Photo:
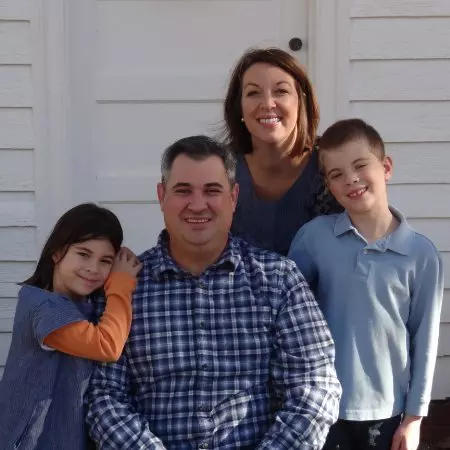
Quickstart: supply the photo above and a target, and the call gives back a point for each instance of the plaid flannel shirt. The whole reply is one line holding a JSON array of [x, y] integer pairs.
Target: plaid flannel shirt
[[239, 357]]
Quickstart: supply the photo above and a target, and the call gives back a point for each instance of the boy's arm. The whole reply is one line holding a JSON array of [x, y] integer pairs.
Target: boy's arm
[[104, 341], [299, 253], [423, 327]]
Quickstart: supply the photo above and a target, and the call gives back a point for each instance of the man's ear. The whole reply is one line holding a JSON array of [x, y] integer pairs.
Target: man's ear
[[161, 190]]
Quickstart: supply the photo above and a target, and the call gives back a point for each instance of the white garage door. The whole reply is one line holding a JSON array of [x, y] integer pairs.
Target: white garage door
[[145, 73]]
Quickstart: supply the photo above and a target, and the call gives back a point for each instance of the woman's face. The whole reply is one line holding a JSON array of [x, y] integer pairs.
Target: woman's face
[[269, 104]]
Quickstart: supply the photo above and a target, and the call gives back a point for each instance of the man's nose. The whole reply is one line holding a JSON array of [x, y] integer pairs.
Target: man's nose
[[198, 202]]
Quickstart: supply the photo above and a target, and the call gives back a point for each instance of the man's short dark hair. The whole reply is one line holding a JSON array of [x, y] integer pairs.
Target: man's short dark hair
[[198, 148]]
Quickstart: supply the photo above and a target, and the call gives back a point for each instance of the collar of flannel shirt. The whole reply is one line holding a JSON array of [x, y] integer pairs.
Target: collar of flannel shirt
[[229, 259]]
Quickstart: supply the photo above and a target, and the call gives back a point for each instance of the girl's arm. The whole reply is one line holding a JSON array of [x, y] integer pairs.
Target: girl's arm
[[104, 341]]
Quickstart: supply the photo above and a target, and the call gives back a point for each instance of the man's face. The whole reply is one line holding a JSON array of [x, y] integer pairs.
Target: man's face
[[198, 203]]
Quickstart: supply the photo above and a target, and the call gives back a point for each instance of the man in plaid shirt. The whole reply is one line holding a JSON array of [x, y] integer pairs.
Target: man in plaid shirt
[[228, 348]]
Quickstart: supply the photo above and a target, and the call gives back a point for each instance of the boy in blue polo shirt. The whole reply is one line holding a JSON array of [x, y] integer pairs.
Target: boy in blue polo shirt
[[380, 286]]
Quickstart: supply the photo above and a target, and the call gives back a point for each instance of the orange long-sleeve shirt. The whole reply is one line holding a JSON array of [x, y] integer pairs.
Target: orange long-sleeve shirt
[[104, 341]]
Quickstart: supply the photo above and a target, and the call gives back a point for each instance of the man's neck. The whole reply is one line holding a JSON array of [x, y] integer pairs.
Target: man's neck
[[374, 224], [195, 259]]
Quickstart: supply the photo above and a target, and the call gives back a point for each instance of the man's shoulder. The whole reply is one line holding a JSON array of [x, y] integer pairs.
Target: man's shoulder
[[257, 258]]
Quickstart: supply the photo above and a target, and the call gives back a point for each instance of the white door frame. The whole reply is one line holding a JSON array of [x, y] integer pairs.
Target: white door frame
[[63, 121]]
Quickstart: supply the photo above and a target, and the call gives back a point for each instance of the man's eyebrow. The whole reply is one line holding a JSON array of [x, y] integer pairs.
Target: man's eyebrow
[[181, 184], [214, 184]]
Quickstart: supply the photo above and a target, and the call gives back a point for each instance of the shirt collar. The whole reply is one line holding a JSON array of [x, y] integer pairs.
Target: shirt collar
[[228, 261], [399, 241]]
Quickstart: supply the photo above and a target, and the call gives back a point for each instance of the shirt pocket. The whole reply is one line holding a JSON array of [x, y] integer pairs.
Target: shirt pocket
[[33, 428]]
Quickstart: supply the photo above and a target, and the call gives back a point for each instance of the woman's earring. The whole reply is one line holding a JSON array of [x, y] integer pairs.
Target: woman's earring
[[242, 119]]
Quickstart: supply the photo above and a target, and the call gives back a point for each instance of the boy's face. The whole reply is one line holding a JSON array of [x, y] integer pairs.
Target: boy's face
[[356, 176]]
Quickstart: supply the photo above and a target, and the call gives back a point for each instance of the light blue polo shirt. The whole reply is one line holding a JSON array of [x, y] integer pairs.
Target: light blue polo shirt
[[382, 302]]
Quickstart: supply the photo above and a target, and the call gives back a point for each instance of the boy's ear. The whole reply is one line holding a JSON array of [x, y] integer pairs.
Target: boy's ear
[[388, 167]]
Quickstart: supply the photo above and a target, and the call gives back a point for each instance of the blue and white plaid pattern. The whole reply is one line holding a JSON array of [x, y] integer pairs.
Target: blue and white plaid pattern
[[237, 358]]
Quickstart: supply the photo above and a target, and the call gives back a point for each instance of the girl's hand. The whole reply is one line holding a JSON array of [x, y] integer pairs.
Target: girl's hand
[[126, 261]]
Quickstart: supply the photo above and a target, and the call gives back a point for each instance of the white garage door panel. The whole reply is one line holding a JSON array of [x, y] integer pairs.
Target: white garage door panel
[[131, 137], [141, 224], [160, 37]]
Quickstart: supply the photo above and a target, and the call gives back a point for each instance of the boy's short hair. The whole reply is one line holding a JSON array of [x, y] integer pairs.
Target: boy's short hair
[[344, 131]]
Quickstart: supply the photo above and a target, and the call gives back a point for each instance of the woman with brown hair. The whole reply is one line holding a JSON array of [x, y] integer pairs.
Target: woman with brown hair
[[271, 118]]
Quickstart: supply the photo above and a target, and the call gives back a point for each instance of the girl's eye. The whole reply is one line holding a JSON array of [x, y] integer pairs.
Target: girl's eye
[[360, 166], [336, 175], [83, 254], [108, 262]]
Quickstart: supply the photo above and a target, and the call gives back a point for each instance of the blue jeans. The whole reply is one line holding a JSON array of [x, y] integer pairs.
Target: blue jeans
[[362, 435]]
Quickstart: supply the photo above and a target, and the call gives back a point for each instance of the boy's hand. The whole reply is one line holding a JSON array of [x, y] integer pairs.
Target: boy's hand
[[407, 436], [126, 261]]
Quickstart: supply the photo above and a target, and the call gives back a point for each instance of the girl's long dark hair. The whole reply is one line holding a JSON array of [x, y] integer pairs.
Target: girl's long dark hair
[[79, 224]]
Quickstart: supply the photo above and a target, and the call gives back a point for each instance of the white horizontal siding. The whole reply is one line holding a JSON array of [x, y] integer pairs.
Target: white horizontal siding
[[422, 121], [17, 168], [385, 80], [400, 38], [398, 76], [403, 8], [420, 162]]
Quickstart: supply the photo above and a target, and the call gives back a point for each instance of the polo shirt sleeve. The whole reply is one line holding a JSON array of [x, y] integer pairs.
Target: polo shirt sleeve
[[300, 254], [52, 313], [423, 328]]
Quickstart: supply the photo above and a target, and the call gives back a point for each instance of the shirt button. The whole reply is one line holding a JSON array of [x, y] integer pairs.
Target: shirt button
[[365, 251], [204, 445], [202, 284], [204, 366], [202, 324]]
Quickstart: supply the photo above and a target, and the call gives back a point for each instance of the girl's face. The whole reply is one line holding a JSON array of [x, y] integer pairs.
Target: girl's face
[[269, 104], [83, 269]]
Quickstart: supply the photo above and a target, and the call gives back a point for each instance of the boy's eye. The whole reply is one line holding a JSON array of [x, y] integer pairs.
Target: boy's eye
[[106, 261], [360, 166]]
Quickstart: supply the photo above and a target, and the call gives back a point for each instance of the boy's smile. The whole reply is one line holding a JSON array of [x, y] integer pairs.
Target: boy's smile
[[356, 176]]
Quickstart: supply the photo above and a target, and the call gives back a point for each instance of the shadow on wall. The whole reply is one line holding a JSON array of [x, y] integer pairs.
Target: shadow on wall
[[436, 427]]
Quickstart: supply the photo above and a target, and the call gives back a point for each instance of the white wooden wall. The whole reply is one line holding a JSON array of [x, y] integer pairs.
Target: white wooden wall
[[399, 81], [17, 155]]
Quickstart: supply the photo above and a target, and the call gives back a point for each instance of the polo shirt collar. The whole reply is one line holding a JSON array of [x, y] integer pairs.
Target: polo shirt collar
[[229, 260], [399, 241]]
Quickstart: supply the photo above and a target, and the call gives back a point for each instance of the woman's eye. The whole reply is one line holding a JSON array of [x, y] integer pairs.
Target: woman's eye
[[251, 93], [282, 91]]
